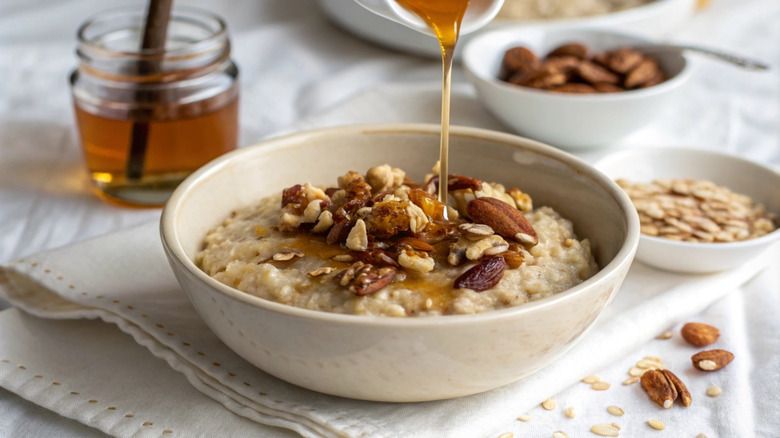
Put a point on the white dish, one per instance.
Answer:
(656, 19)
(571, 121)
(761, 183)
(400, 359)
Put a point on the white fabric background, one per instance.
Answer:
(298, 71)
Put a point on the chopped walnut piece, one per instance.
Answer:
(384, 178)
(357, 239)
(414, 261)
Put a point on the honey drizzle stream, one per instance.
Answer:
(444, 16)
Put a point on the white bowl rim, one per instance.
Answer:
(709, 246)
(171, 244)
(671, 83)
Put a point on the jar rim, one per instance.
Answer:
(207, 20)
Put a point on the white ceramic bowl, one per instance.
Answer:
(657, 18)
(570, 121)
(400, 359)
(761, 183)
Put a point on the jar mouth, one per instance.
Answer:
(118, 33)
(109, 45)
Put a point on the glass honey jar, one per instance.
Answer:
(147, 118)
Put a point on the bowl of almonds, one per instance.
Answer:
(572, 88)
(700, 211)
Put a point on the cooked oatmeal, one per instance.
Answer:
(382, 245)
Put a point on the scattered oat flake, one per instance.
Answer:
(600, 386)
(615, 410)
(506, 435)
(570, 412)
(604, 429)
(656, 424)
(714, 391)
(524, 417)
(560, 434)
(701, 435)
(591, 379)
(616, 426)
(646, 364)
(665, 335)
(631, 380)
(636, 371)
(549, 404)
(654, 359)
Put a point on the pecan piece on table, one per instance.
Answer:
(483, 276)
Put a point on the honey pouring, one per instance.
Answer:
(446, 20)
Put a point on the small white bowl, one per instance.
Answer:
(571, 121)
(400, 359)
(761, 183)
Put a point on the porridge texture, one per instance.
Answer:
(380, 244)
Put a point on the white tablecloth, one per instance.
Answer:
(299, 71)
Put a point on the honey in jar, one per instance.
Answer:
(147, 118)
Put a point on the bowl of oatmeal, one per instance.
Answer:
(701, 211)
(325, 258)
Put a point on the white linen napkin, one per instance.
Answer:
(123, 278)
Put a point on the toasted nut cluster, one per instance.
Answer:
(391, 227)
(570, 68)
(695, 210)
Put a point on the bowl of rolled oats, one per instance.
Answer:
(326, 258)
(572, 88)
(700, 211)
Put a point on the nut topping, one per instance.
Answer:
(483, 276)
(504, 219)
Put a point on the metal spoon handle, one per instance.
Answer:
(740, 61)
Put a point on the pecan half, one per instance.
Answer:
(679, 386)
(483, 276)
(699, 334)
(505, 220)
(576, 50)
(658, 388)
(711, 360)
(592, 73)
(364, 279)
(623, 60)
(518, 59)
(644, 72)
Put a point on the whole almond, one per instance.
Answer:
(711, 360)
(658, 388)
(504, 219)
(679, 386)
(699, 334)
